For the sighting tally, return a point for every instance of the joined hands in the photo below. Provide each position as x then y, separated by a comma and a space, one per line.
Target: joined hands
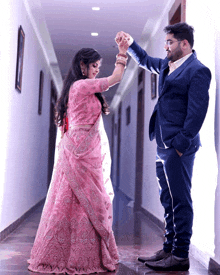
122, 39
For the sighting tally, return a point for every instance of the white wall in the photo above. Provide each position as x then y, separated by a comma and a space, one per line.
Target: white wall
215, 15
114, 156
217, 140
205, 188
128, 143
150, 191
107, 119
24, 133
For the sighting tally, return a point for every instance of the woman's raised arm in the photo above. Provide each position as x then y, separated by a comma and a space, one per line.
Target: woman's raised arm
121, 61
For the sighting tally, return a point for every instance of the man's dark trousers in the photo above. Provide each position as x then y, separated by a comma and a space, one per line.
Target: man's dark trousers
174, 175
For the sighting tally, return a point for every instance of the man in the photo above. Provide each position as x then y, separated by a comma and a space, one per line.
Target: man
175, 123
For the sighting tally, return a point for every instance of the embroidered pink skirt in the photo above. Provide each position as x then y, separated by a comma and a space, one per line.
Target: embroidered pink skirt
75, 234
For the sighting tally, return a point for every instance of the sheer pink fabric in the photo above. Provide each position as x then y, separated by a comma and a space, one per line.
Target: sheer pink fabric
84, 108
75, 232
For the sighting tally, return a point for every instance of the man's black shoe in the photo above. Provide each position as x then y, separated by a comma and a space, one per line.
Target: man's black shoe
170, 263
159, 255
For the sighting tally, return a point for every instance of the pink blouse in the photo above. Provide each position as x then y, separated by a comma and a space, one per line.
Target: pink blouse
83, 106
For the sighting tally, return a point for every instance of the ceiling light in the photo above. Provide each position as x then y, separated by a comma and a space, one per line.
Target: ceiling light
95, 8
94, 34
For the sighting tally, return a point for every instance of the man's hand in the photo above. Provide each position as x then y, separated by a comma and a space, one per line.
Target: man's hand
122, 39
178, 152
121, 35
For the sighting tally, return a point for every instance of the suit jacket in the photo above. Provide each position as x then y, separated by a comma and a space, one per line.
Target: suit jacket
183, 99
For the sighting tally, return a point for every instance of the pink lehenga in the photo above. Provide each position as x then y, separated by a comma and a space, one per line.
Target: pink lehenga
75, 232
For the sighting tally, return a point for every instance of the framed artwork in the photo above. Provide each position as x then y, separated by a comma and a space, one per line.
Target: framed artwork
41, 86
153, 86
20, 57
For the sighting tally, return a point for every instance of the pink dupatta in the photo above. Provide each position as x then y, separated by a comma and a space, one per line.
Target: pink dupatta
89, 190
75, 233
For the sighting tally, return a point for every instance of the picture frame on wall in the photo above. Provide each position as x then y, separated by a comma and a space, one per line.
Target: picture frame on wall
20, 58
153, 86
41, 86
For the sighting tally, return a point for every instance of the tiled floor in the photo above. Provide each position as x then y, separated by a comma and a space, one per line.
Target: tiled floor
135, 235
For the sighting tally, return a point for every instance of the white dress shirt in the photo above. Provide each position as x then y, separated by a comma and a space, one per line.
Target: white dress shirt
174, 65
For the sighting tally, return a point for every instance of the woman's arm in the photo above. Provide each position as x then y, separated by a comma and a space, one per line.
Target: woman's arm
120, 64
117, 74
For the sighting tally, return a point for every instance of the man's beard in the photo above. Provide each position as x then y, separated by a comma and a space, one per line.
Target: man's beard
175, 56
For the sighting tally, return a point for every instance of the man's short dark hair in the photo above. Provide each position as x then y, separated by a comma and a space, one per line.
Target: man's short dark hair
181, 31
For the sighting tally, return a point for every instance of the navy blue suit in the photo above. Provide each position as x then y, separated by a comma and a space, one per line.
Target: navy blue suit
175, 123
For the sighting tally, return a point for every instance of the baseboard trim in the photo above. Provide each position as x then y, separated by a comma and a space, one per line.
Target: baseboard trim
214, 267
154, 219
14, 225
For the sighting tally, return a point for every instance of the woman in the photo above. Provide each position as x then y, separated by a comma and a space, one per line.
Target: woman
75, 234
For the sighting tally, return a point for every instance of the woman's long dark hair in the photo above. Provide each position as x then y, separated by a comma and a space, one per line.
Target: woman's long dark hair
87, 56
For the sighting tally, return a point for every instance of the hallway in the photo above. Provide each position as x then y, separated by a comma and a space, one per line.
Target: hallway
135, 235
40, 38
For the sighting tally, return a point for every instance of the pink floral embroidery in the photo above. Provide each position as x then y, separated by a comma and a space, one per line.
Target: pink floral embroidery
84, 107
75, 232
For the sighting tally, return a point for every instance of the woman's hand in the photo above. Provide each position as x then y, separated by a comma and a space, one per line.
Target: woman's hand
122, 39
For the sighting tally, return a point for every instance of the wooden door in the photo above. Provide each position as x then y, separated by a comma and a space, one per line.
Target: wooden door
178, 12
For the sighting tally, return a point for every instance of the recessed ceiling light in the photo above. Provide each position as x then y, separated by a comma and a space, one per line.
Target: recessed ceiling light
95, 8
94, 34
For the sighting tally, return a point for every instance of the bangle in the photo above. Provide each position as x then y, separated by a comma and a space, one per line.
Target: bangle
122, 55
123, 64
121, 61
121, 58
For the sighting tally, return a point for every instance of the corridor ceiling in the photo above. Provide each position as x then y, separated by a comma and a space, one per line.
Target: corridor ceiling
71, 22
